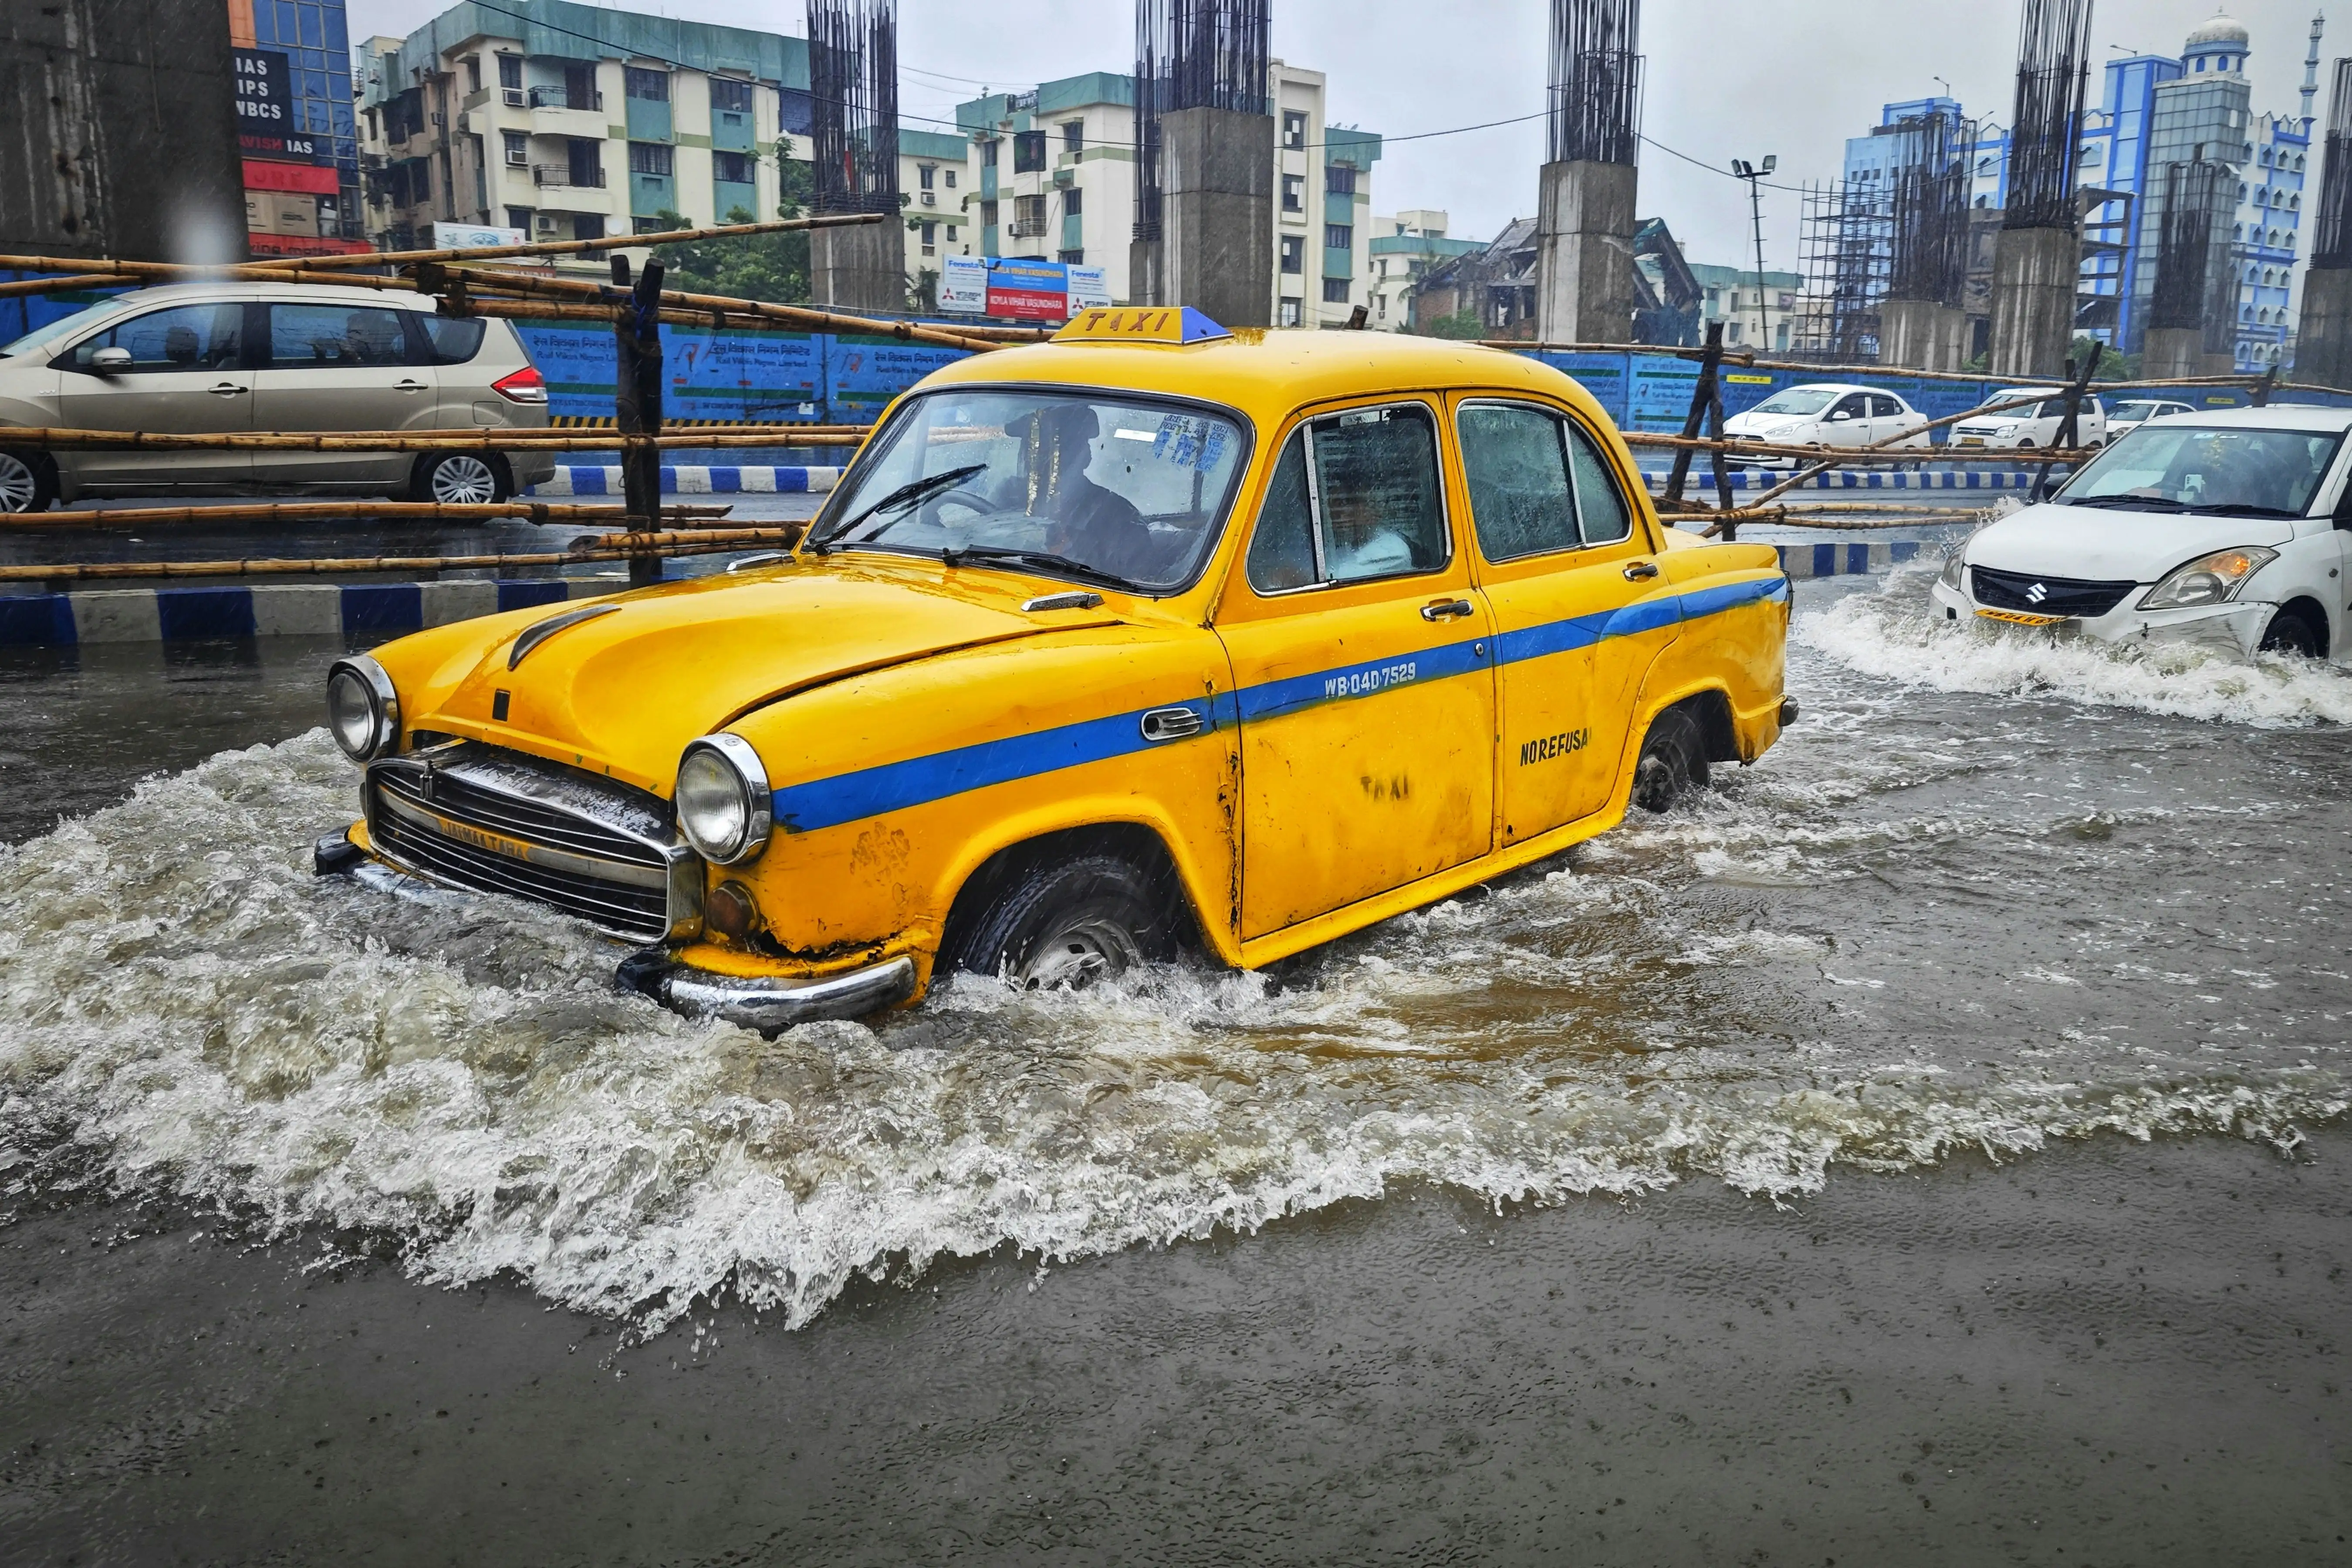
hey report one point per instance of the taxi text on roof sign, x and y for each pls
(1145, 324)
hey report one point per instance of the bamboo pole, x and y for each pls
(592, 440)
(537, 514)
(608, 547)
(1750, 359)
(582, 247)
(1738, 447)
(54, 285)
(708, 305)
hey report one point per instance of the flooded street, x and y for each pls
(1819, 1106)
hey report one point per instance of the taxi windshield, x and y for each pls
(1092, 486)
(2171, 466)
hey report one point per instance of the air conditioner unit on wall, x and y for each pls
(518, 157)
(465, 124)
(514, 96)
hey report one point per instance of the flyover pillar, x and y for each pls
(1584, 258)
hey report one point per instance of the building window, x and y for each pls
(653, 85)
(1073, 202)
(950, 173)
(1335, 290)
(1071, 258)
(923, 173)
(650, 158)
(951, 234)
(930, 236)
(1340, 180)
(517, 146)
(585, 161)
(587, 225)
(1294, 253)
(518, 217)
(473, 73)
(1286, 314)
(1074, 135)
(1293, 193)
(733, 97)
(1028, 152)
(988, 215)
(732, 168)
(1338, 237)
(1294, 130)
(1028, 217)
(647, 226)
(509, 70)
(988, 154)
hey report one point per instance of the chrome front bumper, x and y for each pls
(767, 1004)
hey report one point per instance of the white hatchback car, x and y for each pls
(2232, 526)
(1827, 414)
(198, 358)
(2032, 424)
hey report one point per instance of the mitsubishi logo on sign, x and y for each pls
(2036, 594)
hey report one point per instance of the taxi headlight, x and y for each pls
(724, 806)
(363, 709)
(2212, 579)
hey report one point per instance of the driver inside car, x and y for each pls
(1084, 521)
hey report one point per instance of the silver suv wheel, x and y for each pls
(464, 479)
(18, 484)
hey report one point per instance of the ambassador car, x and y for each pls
(1156, 638)
(2226, 527)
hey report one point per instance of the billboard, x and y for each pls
(265, 108)
(1020, 289)
(474, 237)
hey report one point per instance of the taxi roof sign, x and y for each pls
(1140, 324)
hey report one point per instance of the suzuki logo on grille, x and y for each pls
(2036, 594)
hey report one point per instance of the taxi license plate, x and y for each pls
(2017, 618)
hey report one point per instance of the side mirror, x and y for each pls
(1840, 417)
(111, 362)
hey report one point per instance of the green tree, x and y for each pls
(1460, 324)
(770, 267)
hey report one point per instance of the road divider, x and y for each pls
(695, 480)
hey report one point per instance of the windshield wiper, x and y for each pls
(2134, 503)
(904, 496)
(2242, 509)
(955, 555)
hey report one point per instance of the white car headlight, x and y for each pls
(1950, 575)
(2212, 579)
(725, 807)
(362, 708)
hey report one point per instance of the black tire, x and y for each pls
(2291, 631)
(27, 482)
(1062, 924)
(439, 472)
(1672, 761)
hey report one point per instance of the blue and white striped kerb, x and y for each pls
(1701, 480)
(692, 480)
(293, 609)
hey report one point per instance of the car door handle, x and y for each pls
(1445, 608)
(411, 386)
(1641, 570)
(228, 389)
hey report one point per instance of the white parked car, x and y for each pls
(2033, 424)
(2233, 527)
(1827, 414)
(2132, 412)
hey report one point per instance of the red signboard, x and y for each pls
(303, 244)
(314, 178)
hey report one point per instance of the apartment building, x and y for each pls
(1051, 177)
(1402, 249)
(569, 122)
(1752, 317)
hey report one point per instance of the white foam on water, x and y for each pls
(1897, 636)
(188, 1012)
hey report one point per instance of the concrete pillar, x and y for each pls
(2033, 277)
(859, 267)
(1584, 256)
(2171, 351)
(1919, 334)
(2323, 346)
(1215, 249)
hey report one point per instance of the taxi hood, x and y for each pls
(624, 688)
(2108, 544)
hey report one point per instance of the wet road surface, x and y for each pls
(1663, 1173)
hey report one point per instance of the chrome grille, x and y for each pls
(499, 822)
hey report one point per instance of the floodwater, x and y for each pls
(1995, 900)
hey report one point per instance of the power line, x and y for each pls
(1708, 167)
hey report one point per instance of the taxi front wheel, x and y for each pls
(1672, 761)
(1065, 924)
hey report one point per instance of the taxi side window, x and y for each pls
(1356, 496)
(1517, 462)
(1599, 507)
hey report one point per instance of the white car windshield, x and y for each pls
(2135, 412)
(2172, 466)
(1797, 400)
(68, 326)
(1093, 486)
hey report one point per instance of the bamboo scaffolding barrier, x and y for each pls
(579, 247)
(584, 440)
(538, 514)
(1750, 360)
(1737, 446)
(462, 298)
(601, 548)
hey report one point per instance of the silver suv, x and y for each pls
(201, 357)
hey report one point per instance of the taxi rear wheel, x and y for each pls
(1060, 925)
(1672, 761)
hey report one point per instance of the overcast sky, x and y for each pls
(1791, 77)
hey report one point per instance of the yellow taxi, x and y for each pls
(1153, 640)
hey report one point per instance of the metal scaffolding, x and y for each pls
(1847, 259)
(2053, 76)
(1928, 210)
(1595, 110)
(853, 105)
(1191, 54)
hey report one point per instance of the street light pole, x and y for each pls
(1753, 173)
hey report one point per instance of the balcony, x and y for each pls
(555, 174)
(563, 98)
